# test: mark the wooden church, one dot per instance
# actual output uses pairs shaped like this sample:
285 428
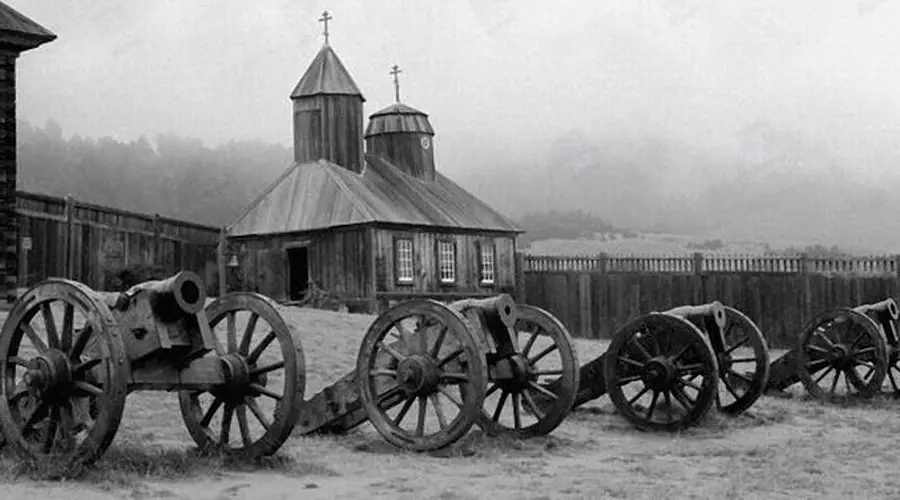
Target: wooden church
364 213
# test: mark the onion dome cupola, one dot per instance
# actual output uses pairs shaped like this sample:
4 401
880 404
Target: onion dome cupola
403 135
328 111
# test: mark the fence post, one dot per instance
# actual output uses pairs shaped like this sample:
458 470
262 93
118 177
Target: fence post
156 248
602 262
520 278
220 251
70 234
699 288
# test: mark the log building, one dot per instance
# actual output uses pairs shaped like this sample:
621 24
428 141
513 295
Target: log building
17 34
366 215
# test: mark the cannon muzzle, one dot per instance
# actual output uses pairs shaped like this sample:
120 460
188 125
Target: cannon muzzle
888 306
714 309
173 298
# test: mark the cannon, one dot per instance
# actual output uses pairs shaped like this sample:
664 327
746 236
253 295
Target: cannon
63 383
468 356
859 345
695 356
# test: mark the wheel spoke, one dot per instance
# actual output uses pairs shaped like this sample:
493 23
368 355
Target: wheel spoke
530 343
404 409
80 341
822 375
85 366
262 390
436 349
231 331
68 319
744 360
244 348
516 405
32 335
543 353
50 326
494 388
50 430
730 389
837 376
683 398
689 384
499 409
866 350
813 365
541 373
450 357
35 417
821 335
630 361
269 368
543 390
253 356
454 378
652 406
244 426
438 410
627 380
394 353
638 395
532 405
451 397
741 376
381 372
258 413
388 395
210 412
420 424
225 434
88 388
736 345
634 340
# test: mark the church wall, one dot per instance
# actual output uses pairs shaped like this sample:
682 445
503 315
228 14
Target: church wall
425 257
338 261
413 152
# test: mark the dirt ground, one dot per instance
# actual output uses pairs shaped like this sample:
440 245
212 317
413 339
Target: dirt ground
780 448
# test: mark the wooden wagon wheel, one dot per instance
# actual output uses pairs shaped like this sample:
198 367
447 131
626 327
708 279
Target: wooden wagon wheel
842 342
434 356
661 373
63 373
544 348
744 365
265 372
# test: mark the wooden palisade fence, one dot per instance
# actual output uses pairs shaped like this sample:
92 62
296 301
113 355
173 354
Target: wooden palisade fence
63 237
595 295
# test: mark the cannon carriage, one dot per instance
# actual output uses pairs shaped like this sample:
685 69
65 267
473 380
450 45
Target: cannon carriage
69 356
843 354
666 370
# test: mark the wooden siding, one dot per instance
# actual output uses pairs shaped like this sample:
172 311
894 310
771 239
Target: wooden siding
338 261
336 122
405 150
425 264
90 243
8 165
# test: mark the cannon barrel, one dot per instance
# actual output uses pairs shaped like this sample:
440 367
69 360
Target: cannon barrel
503 307
714 309
174 297
888 306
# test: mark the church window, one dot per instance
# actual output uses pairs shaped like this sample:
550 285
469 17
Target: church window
403 257
447 261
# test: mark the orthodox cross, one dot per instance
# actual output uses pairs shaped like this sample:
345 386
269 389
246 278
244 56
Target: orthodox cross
395 72
324 19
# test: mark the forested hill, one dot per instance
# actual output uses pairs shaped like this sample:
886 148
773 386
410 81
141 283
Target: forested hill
177 177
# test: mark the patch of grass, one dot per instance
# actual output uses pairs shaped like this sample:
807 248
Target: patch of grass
126 464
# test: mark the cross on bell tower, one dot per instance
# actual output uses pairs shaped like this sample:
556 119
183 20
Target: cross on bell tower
324 20
395 72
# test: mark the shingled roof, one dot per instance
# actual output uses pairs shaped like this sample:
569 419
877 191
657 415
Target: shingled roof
18 30
326 75
319 195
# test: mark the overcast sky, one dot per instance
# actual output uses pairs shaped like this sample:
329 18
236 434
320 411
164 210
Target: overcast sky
500 78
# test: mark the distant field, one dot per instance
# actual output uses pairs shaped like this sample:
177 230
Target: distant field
666 244
779 449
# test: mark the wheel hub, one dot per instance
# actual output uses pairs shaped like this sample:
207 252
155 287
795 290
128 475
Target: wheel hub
237 373
418 375
659 373
839 355
48 375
